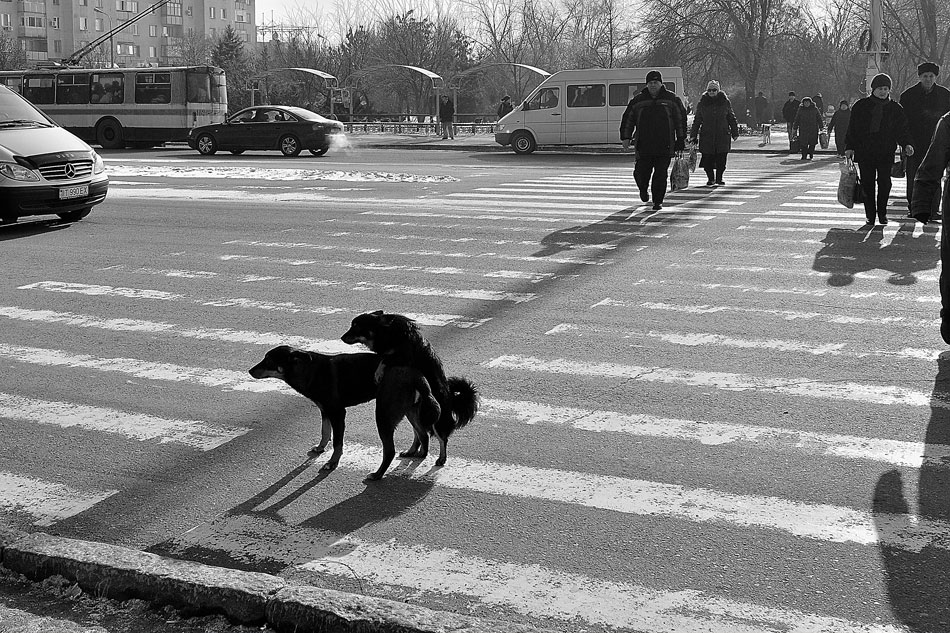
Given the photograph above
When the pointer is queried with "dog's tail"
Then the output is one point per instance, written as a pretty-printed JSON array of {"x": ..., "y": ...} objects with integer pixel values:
[{"x": 464, "y": 397}]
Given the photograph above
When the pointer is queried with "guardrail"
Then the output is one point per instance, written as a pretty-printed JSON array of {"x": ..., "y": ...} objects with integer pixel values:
[{"x": 412, "y": 127}]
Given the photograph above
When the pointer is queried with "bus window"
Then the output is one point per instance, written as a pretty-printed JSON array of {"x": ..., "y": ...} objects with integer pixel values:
[
  {"x": 38, "y": 89},
  {"x": 198, "y": 87},
  {"x": 587, "y": 96},
  {"x": 72, "y": 89},
  {"x": 153, "y": 88},
  {"x": 107, "y": 88},
  {"x": 13, "y": 83}
]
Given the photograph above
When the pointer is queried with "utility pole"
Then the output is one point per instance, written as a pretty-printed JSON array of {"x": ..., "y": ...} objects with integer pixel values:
[
  {"x": 875, "y": 51},
  {"x": 111, "y": 30}
]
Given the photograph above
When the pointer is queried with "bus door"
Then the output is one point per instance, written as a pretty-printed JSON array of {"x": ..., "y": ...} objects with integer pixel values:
[
  {"x": 543, "y": 115},
  {"x": 586, "y": 114}
]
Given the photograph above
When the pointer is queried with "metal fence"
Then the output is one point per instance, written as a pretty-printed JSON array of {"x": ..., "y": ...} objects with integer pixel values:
[{"x": 424, "y": 125}]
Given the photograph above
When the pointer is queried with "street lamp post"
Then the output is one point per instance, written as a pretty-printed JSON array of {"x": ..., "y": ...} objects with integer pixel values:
[{"x": 111, "y": 44}]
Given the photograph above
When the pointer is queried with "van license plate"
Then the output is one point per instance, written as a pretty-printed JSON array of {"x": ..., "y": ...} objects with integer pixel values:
[{"x": 67, "y": 193}]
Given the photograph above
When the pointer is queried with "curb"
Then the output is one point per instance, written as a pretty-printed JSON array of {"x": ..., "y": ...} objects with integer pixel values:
[{"x": 245, "y": 597}]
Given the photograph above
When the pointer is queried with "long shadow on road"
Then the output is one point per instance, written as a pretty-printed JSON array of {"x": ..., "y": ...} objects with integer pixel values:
[{"x": 847, "y": 252}]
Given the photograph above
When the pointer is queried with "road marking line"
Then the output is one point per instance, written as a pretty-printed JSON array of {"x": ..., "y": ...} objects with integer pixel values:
[
  {"x": 45, "y": 501},
  {"x": 893, "y": 452},
  {"x": 203, "y": 436},
  {"x": 888, "y": 395},
  {"x": 541, "y": 593}
]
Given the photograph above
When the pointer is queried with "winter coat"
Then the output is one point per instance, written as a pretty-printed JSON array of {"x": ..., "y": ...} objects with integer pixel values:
[
  {"x": 715, "y": 123},
  {"x": 923, "y": 110},
  {"x": 446, "y": 109},
  {"x": 659, "y": 123},
  {"x": 504, "y": 108},
  {"x": 808, "y": 123},
  {"x": 839, "y": 123},
  {"x": 877, "y": 148},
  {"x": 790, "y": 109},
  {"x": 929, "y": 174}
]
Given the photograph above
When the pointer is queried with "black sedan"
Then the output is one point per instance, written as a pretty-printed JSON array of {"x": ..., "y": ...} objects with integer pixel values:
[{"x": 286, "y": 128}]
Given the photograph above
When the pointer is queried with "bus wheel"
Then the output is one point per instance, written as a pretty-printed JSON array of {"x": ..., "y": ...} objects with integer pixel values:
[
  {"x": 205, "y": 145},
  {"x": 109, "y": 134},
  {"x": 289, "y": 145},
  {"x": 320, "y": 151},
  {"x": 74, "y": 216},
  {"x": 523, "y": 143}
]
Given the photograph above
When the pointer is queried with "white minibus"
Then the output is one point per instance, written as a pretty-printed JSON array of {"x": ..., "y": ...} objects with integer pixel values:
[{"x": 578, "y": 107}]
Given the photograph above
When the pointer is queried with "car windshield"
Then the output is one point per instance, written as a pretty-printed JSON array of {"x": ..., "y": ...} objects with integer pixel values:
[{"x": 17, "y": 111}]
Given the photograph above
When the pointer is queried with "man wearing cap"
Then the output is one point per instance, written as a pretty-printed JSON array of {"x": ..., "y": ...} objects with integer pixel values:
[
  {"x": 789, "y": 112},
  {"x": 656, "y": 119},
  {"x": 878, "y": 125},
  {"x": 924, "y": 103}
]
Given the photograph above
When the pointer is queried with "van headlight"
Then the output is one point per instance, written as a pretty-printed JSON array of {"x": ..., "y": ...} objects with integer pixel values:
[
  {"x": 18, "y": 172},
  {"x": 98, "y": 165}
]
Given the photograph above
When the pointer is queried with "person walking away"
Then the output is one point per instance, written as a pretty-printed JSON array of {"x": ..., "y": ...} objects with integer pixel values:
[
  {"x": 504, "y": 107},
  {"x": 924, "y": 103},
  {"x": 761, "y": 107},
  {"x": 447, "y": 117},
  {"x": 839, "y": 124},
  {"x": 820, "y": 104},
  {"x": 925, "y": 201},
  {"x": 878, "y": 125},
  {"x": 789, "y": 111},
  {"x": 808, "y": 123},
  {"x": 714, "y": 122},
  {"x": 657, "y": 119}
]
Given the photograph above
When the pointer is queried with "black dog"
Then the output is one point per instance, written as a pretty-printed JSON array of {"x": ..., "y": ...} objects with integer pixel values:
[
  {"x": 399, "y": 342},
  {"x": 333, "y": 383}
]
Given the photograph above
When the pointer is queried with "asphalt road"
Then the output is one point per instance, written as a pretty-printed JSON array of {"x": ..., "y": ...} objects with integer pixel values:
[{"x": 728, "y": 415}]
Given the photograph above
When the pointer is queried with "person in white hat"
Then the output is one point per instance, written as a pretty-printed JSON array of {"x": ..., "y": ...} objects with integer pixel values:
[{"x": 716, "y": 127}]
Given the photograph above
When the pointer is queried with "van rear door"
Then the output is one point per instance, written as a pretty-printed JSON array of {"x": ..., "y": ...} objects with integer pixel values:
[{"x": 586, "y": 113}]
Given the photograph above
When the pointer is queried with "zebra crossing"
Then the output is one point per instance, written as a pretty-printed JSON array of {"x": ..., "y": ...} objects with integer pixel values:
[{"x": 589, "y": 322}]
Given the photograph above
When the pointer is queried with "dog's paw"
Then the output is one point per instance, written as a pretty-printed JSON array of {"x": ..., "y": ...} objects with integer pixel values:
[
  {"x": 329, "y": 466},
  {"x": 316, "y": 450},
  {"x": 373, "y": 477},
  {"x": 440, "y": 461},
  {"x": 414, "y": 454}
]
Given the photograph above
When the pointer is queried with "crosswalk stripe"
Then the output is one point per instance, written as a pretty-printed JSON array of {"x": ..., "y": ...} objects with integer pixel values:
[
  {"x": 197, "y": 434},
  {"x": 544, "y": 593},
  {"x": 818, "y": 522},
  {"x": 893, "y": 452},
  {"x": 46, "y": 502},
  {"x": 887, "y": 395}
]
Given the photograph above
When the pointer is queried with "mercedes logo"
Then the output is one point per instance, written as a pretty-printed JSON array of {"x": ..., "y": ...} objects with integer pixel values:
[{"x": 70, "y": 170}]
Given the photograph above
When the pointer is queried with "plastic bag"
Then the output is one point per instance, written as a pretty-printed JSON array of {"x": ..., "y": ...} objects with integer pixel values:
[
  {"x": 692, "y": 158},
  {"x": 679, "y": 175},
  {"x": 897, "y": 169},
  {"x": 823, "y": 139},
  {"x": 848, "y": 183}
]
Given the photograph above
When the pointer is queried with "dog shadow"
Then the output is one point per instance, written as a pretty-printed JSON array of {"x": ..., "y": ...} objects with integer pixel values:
[
  {"x": 616, "y": 230},
  {"x": 847, "y": 252},
  {"x": 916, "y": 576},
  {"x": 383, "y": 500}
]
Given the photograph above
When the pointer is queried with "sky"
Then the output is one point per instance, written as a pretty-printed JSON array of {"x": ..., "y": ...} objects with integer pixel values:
[{"x": 279, "y": 7}]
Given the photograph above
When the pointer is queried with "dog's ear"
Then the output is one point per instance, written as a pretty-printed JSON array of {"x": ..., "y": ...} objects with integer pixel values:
[{"x": 376, "y": 313}]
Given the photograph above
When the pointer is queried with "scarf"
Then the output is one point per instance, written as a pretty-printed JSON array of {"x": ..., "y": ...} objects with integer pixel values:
[{"x": 877, "y": 114}]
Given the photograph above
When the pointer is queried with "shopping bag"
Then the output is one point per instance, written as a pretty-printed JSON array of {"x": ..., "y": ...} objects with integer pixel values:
[
  {"x": 794, "y": 146},
  {"x": 679, "y": 175},
  {"x": 848, "y": 184},
  {"x": 859, "y": 196},
  {"x": 898, "y": 169},
  {"x": 693, "y": 159},
  {"x": 823, "y": 139}
]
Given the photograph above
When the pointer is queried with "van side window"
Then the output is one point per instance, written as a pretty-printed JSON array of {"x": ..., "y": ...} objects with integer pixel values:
[
  {"x": 547, "y": 98},
  {"x": 621, "y": 94},
  {"x": 585, "y": 96}
]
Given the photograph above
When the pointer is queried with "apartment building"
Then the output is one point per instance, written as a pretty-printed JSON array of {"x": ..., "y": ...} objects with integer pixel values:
[{"x": 51, "y": 30}]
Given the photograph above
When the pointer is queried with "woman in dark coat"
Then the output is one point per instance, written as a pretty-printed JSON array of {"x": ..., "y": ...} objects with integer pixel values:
[
  {"x": 716, "y": 126},
  {"x": 878, "y": 126},
  {"x": 808, "y": 123},
  {"x": 839, "y": 123}
]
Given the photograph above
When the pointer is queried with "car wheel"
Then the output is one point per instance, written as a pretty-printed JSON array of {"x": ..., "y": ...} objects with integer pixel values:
[
  {"x": 109, "y": 134},
  {"x": 206, "y": 145},
  {"x": 523, "y": 143},
  {"x": 289, "y": 145},
  {"x": 74, "y": 216},
  {"x": 237, "y": 152},
  {"x": 320, "y": 151}
]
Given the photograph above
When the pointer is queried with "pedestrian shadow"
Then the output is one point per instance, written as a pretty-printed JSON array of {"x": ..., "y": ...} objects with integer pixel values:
[
  {"x": 616, "y": 230},
  {"x": 847, "y": 252},
  {"x": 914, "y": 550}
]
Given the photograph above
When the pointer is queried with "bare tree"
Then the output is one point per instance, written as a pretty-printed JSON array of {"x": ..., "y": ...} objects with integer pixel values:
[
  {"x": 193, "y": 49},
  {"x": 12, "y": 57},
  {"x": 919, "y": 27}
]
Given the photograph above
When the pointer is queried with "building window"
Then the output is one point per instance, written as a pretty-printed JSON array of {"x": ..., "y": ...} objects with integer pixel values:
[
  {"x": 57, "y": 46},
  {"x": 211, "y": 12},
  {"x": 135, "y": 29},
  {"x": 98, "y": 24},
  {"x": 224, "y": 14},
  {"x": 83, "y": 23},
  {"x": 152, "y": 30},
  {"x": 6, "y": 20},
  {"x": 31, "y": 20},
  {"x": 84, "y": 3}
]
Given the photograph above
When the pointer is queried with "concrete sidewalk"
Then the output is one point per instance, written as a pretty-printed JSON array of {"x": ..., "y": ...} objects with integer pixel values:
[
  {"x": 243, "y": 597},
  {"x": 464, "y": 141}
]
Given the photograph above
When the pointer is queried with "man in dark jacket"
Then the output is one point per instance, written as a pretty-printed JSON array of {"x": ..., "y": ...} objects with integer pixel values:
[
  {"x": 447, "y": 117},
  {"x": 761, "y": 107},
  {"x": 504, "y": 107},
  {"x": 789, "y": 111},
  {"x": 656, "y": 118},
  {"x": 925, "y": 200},
  {"x": 924, "y": 103}
]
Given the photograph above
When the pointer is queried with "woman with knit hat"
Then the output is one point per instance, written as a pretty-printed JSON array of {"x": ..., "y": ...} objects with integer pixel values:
[
  {"x": 716, "y": 126},
  {"x": 806, "y": 126},
  {"x": 878, "y": 125}
]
